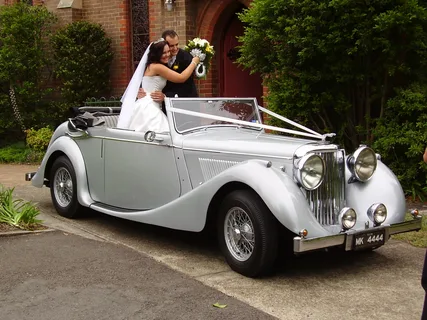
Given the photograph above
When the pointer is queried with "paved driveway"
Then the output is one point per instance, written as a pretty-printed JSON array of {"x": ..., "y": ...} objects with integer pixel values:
[{"x": 384, "y": 284}]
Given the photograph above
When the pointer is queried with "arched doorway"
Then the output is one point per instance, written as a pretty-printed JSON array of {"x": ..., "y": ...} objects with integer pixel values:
[{"x": 234, "y": 81}]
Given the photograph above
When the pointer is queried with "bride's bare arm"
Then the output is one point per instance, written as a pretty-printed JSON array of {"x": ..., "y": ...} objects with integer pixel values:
[{"x": 173, "y": 76}]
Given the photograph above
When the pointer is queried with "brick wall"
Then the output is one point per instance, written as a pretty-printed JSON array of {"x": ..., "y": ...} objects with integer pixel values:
[
  {"x": 114, "y": 15},
  {"x": 181, "y": 19}
]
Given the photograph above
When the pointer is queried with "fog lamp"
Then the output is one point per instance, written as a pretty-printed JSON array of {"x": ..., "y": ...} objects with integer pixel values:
[
  {"x": 348, "y": 218},
  {"x": 377, "y": 213}
]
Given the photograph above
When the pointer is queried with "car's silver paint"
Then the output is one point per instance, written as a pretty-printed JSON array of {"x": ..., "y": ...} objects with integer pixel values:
[
  {"x": 92, "y": 149},
  {"x": 139, "y": 175},
  {"x": 69, "y": 147},
  {"x": 242, "y": 141},
  {"x": 384, "y": 188}
]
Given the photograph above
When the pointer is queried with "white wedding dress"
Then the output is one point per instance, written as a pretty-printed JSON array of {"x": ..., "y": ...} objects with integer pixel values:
[{"x": 146, "y": 114}]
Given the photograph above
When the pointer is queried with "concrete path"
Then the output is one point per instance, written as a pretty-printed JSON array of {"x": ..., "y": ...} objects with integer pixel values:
[{"x": 384, "y": 284}]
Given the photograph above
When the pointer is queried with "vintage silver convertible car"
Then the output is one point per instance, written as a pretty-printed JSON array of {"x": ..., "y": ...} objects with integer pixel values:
[{"x": 260, "y": 186}]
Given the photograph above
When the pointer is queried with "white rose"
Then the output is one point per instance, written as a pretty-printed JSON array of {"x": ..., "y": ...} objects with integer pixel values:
[{"x": 203, "y": 42}]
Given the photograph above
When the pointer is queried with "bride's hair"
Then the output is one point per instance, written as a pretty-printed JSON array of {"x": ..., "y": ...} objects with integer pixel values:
[{"x": 156, "y": 52}]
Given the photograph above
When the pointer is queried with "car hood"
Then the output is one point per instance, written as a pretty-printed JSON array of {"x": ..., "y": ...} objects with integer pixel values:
[{"x": 243, "y": 141}]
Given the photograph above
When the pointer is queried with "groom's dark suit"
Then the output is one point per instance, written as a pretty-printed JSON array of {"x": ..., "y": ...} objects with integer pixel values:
[{"x": 186, "y": 89}]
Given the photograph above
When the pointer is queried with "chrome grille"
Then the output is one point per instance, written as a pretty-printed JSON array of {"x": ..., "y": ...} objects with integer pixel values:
[{"x": 328, "y": 199}]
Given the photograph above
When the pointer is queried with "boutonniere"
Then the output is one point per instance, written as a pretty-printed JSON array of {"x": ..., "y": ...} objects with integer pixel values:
[{"x": 175, "y": 67}]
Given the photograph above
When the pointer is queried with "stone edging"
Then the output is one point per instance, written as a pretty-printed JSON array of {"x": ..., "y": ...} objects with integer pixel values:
[{"x": 18, "y": 233}]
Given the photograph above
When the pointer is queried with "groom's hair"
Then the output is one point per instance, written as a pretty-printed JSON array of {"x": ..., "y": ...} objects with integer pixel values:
[
  {"x": 169, "y": 33},
  {"x": 156, "y": 52}
]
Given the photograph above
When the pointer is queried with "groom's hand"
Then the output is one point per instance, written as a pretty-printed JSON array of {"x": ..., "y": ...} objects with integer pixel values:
[
  {"x": 157, "y": 96},
  {"x": 141, "y": 93}
]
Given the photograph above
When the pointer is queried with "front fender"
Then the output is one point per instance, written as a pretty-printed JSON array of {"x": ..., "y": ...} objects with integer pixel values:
[
  {"x": 279, "y": 192},
  {"x": 383, "y": 187},
  {"x": 67, "y": 146}
]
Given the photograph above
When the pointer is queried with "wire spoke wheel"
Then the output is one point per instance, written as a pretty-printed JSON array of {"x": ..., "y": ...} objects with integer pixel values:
[
  {"x": 247, "y": 233},
  {"x": 63, "y": 187},
  {"x": 239, "y": 234}
]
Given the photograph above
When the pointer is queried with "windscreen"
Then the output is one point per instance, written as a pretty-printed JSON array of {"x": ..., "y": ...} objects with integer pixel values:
[{"x": 235, "y": 109}]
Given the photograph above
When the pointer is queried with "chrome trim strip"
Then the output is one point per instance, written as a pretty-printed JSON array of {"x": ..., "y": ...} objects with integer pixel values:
[
  {"x": 412, "y": 225},
  {"x": 133, "y": 141},
  {"x": 238, "y": 153},
  {"x": 304, "y": 149},
  {"x": 303, "y": 245}
]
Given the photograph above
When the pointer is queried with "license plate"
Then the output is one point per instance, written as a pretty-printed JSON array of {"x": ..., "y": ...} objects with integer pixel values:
[{"x": 368, "y": 240}]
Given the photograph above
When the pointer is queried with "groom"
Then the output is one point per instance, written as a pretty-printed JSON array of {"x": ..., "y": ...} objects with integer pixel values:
[{"x": 179, "y": 61}]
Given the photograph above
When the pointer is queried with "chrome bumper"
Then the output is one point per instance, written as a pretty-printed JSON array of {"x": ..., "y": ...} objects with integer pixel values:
[
  {"x": 346, "y": 239},
  {"x": 29, "y": 176}
]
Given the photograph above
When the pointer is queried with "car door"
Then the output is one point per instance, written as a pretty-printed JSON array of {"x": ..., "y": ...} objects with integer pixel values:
[{"x": 139, "y": 174}]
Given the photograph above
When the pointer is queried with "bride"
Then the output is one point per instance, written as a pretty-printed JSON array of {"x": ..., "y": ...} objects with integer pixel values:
[{"x": 145, "y": 114}]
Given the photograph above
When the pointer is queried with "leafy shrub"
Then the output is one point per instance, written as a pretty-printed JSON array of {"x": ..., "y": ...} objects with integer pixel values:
[
  {"x": 19, "y": 153},
  {"x": 15, "y": 153},
  {"x": 18, "y": 213},
  {"x": 402, "y": 138},
  {"x": 38, "y": 140},
  {"x": 345, "y": 67},
  {"x": 83, "y": 58},
  {"x": 335, "y": 64}
]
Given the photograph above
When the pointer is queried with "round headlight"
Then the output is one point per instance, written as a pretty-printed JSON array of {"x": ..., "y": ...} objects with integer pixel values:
[
  {"x": 363, "y": 163},
  {"x": 348, "y": 218},
  {"x": 377, "y": 213},
  {"x": 310, "y": 171}
]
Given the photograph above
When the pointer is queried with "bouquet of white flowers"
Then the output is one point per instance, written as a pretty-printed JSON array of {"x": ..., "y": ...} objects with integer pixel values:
[{"x": 201, "y": 48}]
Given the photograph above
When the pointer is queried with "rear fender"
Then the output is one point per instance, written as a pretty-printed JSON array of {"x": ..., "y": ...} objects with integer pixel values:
[{"x": 68, "y": 147}]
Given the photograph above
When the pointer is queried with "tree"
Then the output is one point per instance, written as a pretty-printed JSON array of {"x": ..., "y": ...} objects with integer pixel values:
[
  {"x": 24, "y": 64},
  {"x": 83, "y": 58},
  {"x": 335, "y": 65}
]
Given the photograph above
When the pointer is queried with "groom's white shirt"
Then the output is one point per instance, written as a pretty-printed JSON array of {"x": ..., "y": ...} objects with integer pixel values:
[{"x": 171, "y": 61}]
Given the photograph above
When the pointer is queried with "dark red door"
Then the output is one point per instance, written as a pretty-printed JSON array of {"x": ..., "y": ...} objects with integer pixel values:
[{"x": 237, "y": 82}]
